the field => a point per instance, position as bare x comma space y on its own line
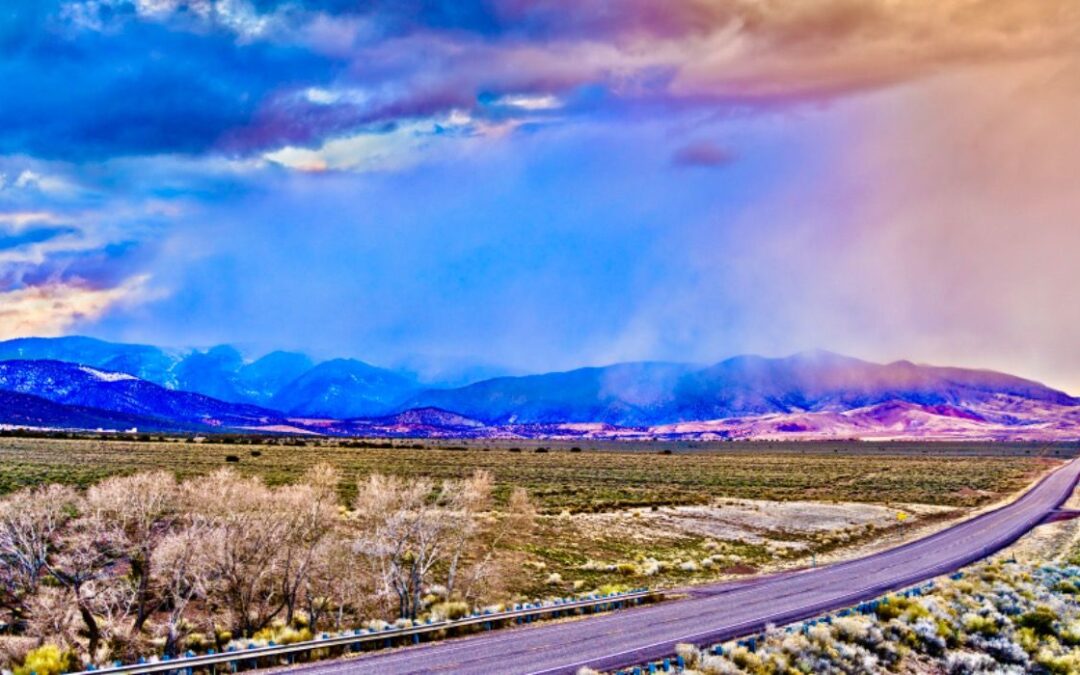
620, 514
609, 478
606, 518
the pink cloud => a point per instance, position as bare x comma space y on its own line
53, 308
703, 154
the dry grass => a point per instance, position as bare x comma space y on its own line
583, 481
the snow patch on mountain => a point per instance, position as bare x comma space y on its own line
106, 376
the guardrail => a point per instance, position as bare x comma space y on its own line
235, 657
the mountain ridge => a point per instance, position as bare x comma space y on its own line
816, 392
649, 393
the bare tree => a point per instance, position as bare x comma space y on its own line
30, 523
247, 528
84, 564
402, 533
410, 529
341, 585
309, 510
181, 576
226, 550
142, 507
51, 614
464, 501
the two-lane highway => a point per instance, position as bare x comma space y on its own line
721, 611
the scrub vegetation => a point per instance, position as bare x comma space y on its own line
1000, 617
634, 475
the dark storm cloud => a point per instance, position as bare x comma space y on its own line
145, 89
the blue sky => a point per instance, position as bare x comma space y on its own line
544, 185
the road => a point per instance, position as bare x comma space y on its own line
721, 611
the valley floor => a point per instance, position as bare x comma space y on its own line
628, 515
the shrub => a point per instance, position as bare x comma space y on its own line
893, 607
449, 611
970, 663
689, 654
1066, 586
232, 459
1065, 664
931, 640
197, 641
1003, 650
976, 623
282, 635
718, 665
1041, 620
48, 660
1070, 635
855, 630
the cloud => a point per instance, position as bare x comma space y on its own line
234, 77
55, 308
16, 221
98, 248
702, 154
904, 183
86, 95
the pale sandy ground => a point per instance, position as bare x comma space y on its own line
914, 530
755, 521
762, 521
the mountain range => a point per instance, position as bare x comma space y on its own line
80, 382
288, 381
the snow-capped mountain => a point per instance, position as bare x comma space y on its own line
92, 388
807, 395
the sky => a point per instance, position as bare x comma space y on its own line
535, 185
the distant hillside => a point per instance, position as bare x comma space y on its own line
626, 394
344, 388
646, 394
143, 361
26, 411
222, 373
87, 387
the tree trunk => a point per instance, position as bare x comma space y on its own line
451, 577
290, 609
93, 632
171, 640
142, 611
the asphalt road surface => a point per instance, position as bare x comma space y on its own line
719, 612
